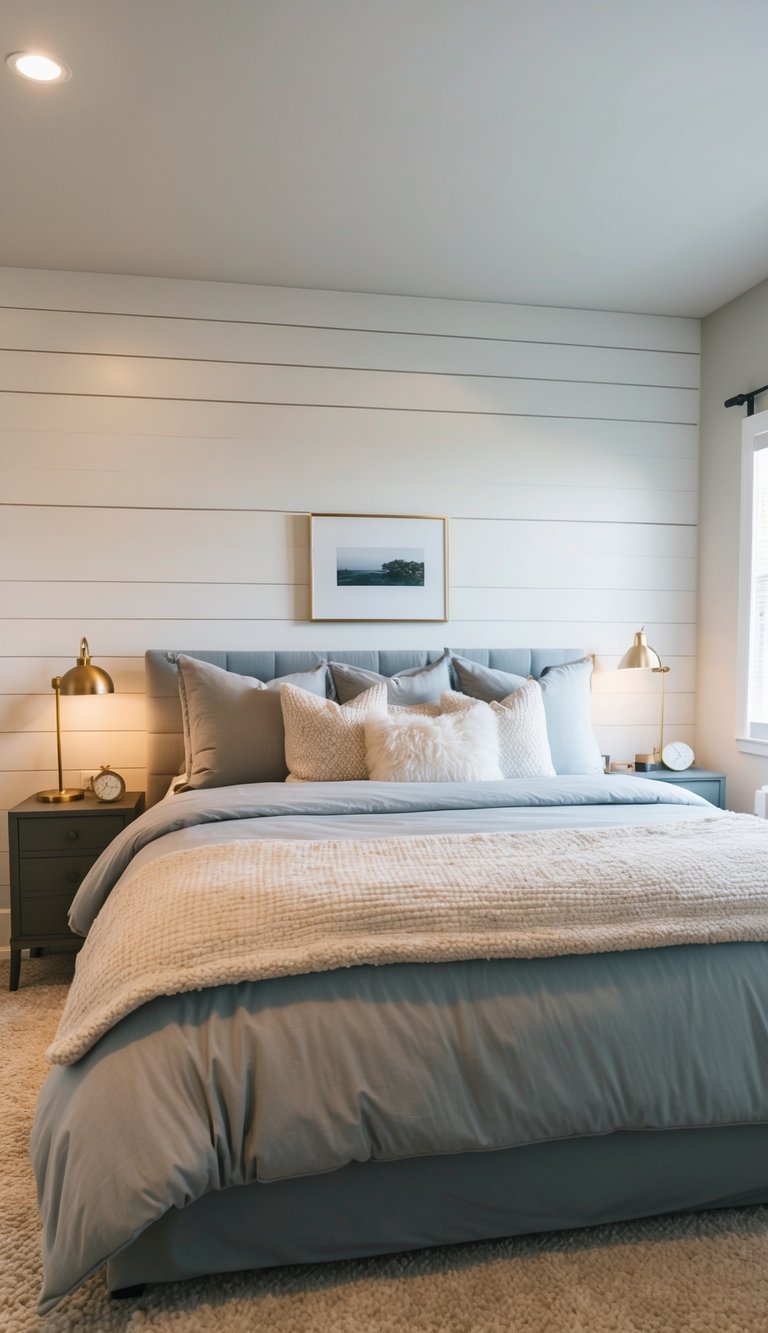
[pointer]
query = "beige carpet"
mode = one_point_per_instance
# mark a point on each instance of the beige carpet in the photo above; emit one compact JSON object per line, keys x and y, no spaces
{"x":685,"y":1274}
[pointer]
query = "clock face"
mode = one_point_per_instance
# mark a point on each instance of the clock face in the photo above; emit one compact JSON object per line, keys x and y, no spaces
{"x":108,"y":786}
{"x":677,"y":755}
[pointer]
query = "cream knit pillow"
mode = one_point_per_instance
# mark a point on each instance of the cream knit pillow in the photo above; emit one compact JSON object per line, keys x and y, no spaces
{"x":410,"y":747}
{"x":325,"y":741}
{"x":522,"y":725}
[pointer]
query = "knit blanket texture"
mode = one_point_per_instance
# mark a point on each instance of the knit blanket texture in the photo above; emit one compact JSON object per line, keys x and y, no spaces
{"x":249,"y":910}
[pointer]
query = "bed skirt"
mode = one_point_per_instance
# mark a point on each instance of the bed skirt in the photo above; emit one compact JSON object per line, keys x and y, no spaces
{"x":376,"y":1208}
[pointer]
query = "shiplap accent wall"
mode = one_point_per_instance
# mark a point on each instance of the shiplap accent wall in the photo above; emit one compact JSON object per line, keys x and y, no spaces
{"x":162,"y":441}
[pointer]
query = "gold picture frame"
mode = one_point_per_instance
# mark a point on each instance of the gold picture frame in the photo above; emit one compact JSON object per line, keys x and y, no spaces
{"x":378,"y":567}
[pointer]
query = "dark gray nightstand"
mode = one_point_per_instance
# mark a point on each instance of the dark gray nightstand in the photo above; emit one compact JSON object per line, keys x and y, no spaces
{"x":52,"y":847}
{"x":702,"y":781}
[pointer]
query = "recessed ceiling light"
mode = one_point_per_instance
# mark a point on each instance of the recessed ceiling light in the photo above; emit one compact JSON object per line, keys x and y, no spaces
{"x":40,"y":68}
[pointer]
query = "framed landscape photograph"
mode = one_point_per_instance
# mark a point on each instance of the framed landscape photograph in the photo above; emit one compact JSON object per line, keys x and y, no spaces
{"x":378,"y":567}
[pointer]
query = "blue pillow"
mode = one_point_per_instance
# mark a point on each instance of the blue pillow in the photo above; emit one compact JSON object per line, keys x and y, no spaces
{"x":417,"y":685}
{"x":482,"y":682}
{"x":568,"y":706}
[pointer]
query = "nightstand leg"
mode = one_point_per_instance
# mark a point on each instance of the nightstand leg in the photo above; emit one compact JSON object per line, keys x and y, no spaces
{"x":15,"y":969}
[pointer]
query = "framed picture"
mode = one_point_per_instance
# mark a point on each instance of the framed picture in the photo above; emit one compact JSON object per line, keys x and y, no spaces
{"x":378,"y":567}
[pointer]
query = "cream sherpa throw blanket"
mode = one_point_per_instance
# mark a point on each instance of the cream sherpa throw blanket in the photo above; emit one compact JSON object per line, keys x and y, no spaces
{"x":250,"y":910}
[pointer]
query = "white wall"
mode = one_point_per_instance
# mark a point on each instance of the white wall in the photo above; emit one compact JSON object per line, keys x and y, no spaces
{"x":162,"y":441}
{"x":734,"y":359}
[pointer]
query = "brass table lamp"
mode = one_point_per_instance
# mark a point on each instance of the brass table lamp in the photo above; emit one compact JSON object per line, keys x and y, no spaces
{"x":640,"y":656}
{"x":81,"y":679}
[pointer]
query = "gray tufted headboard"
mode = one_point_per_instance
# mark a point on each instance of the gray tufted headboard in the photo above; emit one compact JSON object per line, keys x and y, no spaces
{"x":165,"y":739}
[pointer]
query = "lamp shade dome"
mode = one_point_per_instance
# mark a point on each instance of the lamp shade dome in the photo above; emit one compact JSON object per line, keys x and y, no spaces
{"x":640,"y":655}
{"x":84,"y":678}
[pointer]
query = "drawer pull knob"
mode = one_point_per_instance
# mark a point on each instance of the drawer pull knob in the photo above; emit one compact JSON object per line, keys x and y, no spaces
{"x":72,"y":835}
{"x":74,"y":876}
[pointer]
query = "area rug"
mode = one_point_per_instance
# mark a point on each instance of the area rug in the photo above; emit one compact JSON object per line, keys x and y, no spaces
{"x":689,"y":1273}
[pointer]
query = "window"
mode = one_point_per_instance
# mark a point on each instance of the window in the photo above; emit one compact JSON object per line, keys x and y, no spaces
{"x":752,"y":724}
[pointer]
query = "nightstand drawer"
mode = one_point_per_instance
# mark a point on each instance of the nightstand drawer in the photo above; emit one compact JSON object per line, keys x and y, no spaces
{"x":46,"y":914}
{"x":69,"y":833}
{"x":53,"y":874}
{"x":709,"y":790}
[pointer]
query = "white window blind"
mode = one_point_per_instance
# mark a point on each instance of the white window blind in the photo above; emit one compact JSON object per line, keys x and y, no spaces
{"x":753,"y":620}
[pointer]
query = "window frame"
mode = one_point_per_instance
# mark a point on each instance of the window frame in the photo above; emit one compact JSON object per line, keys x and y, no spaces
{"x":754,"y":429}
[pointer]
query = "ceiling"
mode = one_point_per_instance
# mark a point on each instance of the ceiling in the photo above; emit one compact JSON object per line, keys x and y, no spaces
{"x":605,"y":154}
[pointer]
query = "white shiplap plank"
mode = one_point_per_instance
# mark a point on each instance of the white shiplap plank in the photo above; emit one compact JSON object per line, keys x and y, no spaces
{"x":31,"y":751}
{"x":217,"y":547}
{"x":126,"y":377}
{"x":377,"y":492}
{"x":266,"y":537}
{"x":28,"y":675}
{"x":95,"y":601}
{"x":607,"y":679}
{"x":446,"y":493}
{"x":490,"y":557}
{"x":564,"y":605}
{"x":105,"y":471}
{"x":119,"y":637}
{"x":153,"y":545}
{"x":159,"y":435}
{"x":35,"y":712}
{"x":178,"y":547}
{"x":110,"y":293}
{"x":643,"y":710}
{"x":210,"y":340}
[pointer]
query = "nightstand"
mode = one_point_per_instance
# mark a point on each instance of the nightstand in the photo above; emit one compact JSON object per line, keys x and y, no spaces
{"x":52,"y":847}
{"x":702,"y":781}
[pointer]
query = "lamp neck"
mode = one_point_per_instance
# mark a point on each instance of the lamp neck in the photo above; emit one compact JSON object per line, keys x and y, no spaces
{"x":56,"y":685}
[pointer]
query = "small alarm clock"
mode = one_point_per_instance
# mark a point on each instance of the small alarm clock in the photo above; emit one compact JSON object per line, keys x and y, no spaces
{"x":677,"y":756}
{"x":107,"y":785}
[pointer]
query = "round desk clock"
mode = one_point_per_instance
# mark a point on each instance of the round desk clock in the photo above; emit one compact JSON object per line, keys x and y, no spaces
{"x":677,"y":756}
{"x":108,"y":786}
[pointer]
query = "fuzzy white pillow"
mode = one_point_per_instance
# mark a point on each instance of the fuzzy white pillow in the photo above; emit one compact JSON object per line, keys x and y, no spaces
{"x":325,"y":741}
{"x":522,"y":728}
{"x":462,"y":747}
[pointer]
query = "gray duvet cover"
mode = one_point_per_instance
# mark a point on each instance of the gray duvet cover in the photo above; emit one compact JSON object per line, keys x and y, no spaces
{"x":299,"y":1076}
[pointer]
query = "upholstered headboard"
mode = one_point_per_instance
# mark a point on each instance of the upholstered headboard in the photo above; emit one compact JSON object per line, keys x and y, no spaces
{"x":165,"y":739}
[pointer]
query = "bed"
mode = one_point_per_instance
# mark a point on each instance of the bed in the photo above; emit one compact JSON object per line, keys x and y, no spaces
{"x":240,"y":1113}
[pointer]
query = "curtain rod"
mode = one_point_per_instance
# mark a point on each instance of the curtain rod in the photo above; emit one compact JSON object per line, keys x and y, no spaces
{"x":749,"y":398}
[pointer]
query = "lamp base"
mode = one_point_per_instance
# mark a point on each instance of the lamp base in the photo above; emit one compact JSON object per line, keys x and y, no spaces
{"x":65,"y":794}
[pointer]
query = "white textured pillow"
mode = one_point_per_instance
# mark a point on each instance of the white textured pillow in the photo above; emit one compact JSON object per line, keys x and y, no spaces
{"x":522,"y":725}
{"x":463,"y":747}
{"x":325,"y":741}
{"x":425,"y":710}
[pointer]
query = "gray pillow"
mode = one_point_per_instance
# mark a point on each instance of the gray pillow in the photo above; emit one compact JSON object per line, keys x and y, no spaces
{"x":568,"y":706}
{"x":486,"y":683}
{"x":233,"y":725}
{"x":418,"y":685}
